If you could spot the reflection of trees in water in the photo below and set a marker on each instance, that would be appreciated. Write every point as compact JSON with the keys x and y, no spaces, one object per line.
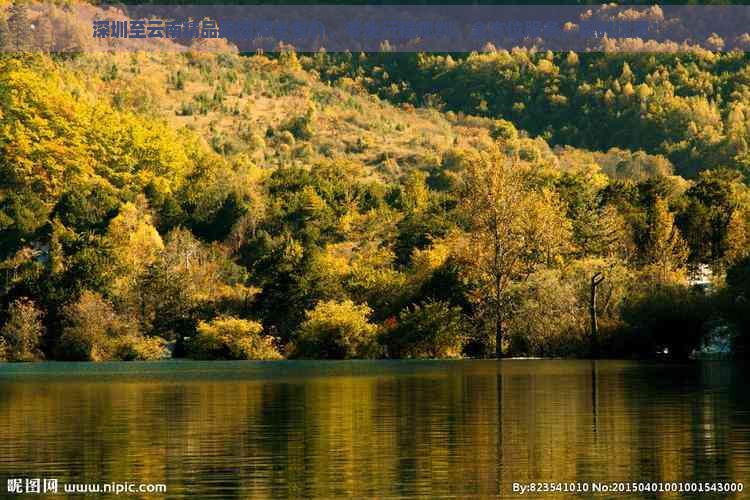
{"x":465,"y":429}
{"x":686,"y":417}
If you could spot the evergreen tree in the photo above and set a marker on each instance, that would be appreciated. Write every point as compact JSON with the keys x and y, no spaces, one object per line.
{"x":4,"y":35}
{"x":20,"y":28}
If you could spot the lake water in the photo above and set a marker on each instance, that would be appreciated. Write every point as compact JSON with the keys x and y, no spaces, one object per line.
{"x":381,"y":429}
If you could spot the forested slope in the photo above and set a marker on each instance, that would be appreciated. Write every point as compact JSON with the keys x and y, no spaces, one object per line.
{"x":337,"y":206}
{"x":689,"y":107}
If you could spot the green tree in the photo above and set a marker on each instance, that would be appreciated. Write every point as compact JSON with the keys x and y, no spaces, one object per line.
{"x":715,"y":221}
{"x":667,"y":316}
{"x":414,"y":195}
{"x":597,"y":227}
{"x":428,"y":330}
{"x":738,"y":302}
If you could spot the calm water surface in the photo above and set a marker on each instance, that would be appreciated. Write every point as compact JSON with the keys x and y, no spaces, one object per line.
{"x":431,"y":429}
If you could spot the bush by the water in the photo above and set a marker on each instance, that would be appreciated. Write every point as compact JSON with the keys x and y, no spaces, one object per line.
{"x":139,"y":348}
{"x":672,"y":317}
{"x":432,"y":329}
{"x":231,"y":338}
{"x":338,"y":330}
{"x":94,"y":331}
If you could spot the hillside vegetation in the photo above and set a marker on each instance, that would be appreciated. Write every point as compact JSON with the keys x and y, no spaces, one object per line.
{"x":252,"y":207}
{"x":690,"y":107}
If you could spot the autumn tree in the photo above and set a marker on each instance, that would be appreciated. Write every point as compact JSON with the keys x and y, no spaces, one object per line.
{"x":44,"y":35}
{"x":512,"y":228}
{"x":21,"y":334}
{"x":186,"y":279}
{"x":665,"y":252}
{"x":92,"y":329}
{"x":135,"y":244}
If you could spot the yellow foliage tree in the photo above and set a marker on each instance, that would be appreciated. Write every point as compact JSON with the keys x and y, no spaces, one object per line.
{"x":513,"y":228}
{"x":135,"y":244}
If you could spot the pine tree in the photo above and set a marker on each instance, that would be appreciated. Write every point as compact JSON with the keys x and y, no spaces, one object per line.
{"x":20,"y":28}
{"x":627,"y":73}
{"x":4,"y":35}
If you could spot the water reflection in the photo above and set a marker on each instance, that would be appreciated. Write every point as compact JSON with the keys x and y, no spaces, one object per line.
{"x":373,"y":429}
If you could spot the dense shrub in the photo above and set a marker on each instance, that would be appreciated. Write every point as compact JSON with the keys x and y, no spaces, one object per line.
{"x":139,"y":348}
{"x":301,"y":127}
{"x":503,"y":130}
{"x":93,"y":330}
{"x":550,"y":320}
{"x":672,"y":317}
{"x":337,"y":330}
{"x":20,"y":336}
{"x":427,"y":330}
{"x":231,"y":338}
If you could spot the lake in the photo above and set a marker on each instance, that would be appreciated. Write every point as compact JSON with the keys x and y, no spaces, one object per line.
{"x":374,"y":429}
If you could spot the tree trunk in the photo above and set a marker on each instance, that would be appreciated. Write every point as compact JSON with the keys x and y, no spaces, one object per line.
{"x":498,"y":337}
{"x":596,"y":280}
